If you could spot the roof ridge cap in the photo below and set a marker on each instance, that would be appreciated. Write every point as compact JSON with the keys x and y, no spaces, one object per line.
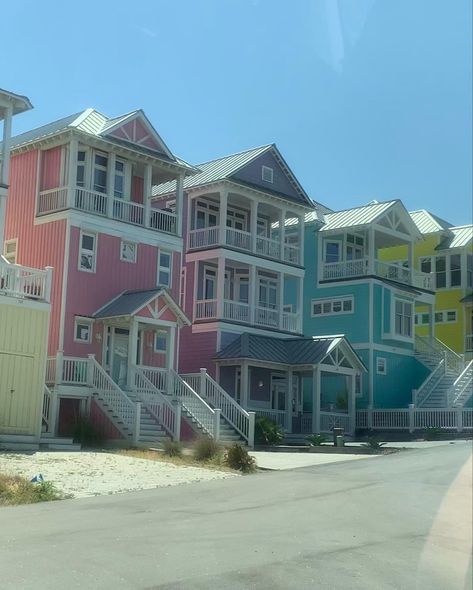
{"x":266,"y":146}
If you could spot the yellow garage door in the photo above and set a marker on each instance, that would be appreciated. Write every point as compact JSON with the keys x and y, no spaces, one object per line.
{"x":16,"y":412}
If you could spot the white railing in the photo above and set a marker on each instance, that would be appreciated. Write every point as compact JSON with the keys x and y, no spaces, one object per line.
{"x":306,"y":423}
{"x":238,"y":418}
{"x":47,"y":406}
{"x":157,"y":376}
{"x":166,"y":413}
{"x":348,"y":268}
{"x":268,"y":247}
{"x":128,"y":211}
{"x":421,"y":394}
{"x":51,"y":370}
{"x":236,"y":311}
{"x":278,"y":416}
{"x":54,"y":199}
{"x":74,"y":370}
{"x":265,"y":316}
{"x":238,"y":238}
{"x":202,"y":238}
{"x":290,"y":322}
{"x":165,"y":221}
{"x":461,"y":389}
{"x":469,"y":342}
{"x":436,"y":349}
{"x":90,"y":201}
{"x":127,"y":412}
{"x":413,"y":418}
{"x":423,"y":280}
{"x":21,"y":281}
{"x":292,"y":254}
{"x":206,"y":309}
{"x":195,"y":406}
{"x":394,"y":272}
{"x":330,"y":420}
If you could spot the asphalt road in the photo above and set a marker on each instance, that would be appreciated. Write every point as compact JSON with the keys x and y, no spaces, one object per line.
{"x":401,"y":522}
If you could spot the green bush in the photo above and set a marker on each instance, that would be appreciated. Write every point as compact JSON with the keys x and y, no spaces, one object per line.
{"x":16,"y":490}
{"x":205,"y":449}
{"x":237,"y":457}
{"x":316,"y":440}
{"x":267,"y":432}
{"x":86,"y":433}
{"x":172,"y":448}
{"x":432,"y":433}
{"x":341,"y":402}
{"x":373,"y":444}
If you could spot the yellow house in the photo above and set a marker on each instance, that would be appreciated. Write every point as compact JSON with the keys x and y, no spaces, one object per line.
{"x":447,"y":252}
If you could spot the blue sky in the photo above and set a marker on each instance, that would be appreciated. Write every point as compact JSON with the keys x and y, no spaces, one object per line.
{"x":366,"y":99}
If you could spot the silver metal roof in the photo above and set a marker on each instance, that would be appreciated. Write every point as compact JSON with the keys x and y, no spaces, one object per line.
{"x":20,"y":103}
{"x":358,"y":216}
{"x":462,"y":236}
{"x":428,"y":223}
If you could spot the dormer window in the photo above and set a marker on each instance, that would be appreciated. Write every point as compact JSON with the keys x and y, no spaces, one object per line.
{"x":267,"y":174}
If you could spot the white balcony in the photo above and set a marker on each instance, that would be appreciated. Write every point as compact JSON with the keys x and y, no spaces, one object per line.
{"x":25,"y":283}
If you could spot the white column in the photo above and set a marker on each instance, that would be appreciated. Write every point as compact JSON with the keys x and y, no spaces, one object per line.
{"x":72,"y":172}
{"x":431,"y":309}
{"x":110,"y":183}
{"x":132,"y":348}
{"x":280,"y":300}
{"x":300,"y":305}
{"x":179,"y":203}
{"x":244,"y":384}
{"x":290,"y":376}
{"x":223,"y":214}
{"x":410,"y":260}
{"x":301,"y":239}
{"x":171,"y":348}
{"x":282,"y":232}
{"x":147,"y":192}
{"x":316,"y":401}
{"x":220,"y":286}
{"x":252,"y":290}
{"x":371,"y":251}
{"x":253,"y":223}
{"x":352,"y":403}
{"x":6,"y":145}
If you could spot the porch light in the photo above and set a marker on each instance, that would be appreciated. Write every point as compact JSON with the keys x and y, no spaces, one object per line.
{"x":260,"y":384}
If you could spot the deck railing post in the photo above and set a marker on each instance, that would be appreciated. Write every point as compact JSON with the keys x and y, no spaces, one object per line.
{"x":251,"y":429}
{"x":203,"y":379}
{"x":217,"y":424}
{"x":90,"y":370}
{"x":177,"y":427}
{"x":459,"y":419}
{"x":59,"y":366}
{"x":136,"y":429}
{"x":411,"y":418}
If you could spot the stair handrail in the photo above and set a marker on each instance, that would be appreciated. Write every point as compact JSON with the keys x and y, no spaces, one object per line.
{"x":238,"y":418}
{"x":127,"y":410}
{"x":454,"y":361}
{"x":47,"y":404}
{"x":429,"y":383}
{"x":162,"y":409}
{"x":207,"y":417}
{"x":458,"y":388}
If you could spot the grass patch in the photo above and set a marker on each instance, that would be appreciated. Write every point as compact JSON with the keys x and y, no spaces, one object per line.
{"x":15,"y":490}
{"x":217,"y":462}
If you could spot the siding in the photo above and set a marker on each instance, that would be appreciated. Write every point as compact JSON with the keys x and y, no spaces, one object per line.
{"x":197,"y":350}
{"x":50,"y":169}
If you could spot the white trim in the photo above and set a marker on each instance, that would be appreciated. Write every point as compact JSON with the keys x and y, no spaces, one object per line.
{"x":6,"y":254}
{"x":383,"y":370}
{"x":213,"y":326}
{"x":383,"y":348}
{"x":444,"y":319}
{"x":269,"y":171}
{"x":166,"y":269}
{"x":392,"y":332}
{"x":135,"y":251}
{"x":80,"y":320}
{"x":332,"y":301}
{"x":94,"y":252}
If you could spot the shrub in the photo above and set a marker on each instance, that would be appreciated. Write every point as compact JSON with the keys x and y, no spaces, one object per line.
{"x":18,"y":490}
{"x":172,"y":448}
{"x":86,"y":433}
{"x":267,"y":432}
{"x":237,"y":457}
{"x":373,"y":444}
{"x":432,"y":433}
{"x":316,"y":440}
{"x":205,"y":449}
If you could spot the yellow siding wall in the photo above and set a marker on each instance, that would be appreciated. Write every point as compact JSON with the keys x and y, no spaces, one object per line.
{"x":23,"y":346}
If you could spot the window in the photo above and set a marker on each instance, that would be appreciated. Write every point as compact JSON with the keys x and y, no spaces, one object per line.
{"x":242,"y":286}
{"x":267,"y":174}
{"x":334,"y":306}
{"x":422,"y":318}
{"x":426,"y":265}
{"x":164,"y":268}
{"x":455,"y":270}
{"x":469,"y":270}
{"x":10,"y":250}
{"x":127,"y":251}
{"x":237,"y":219}
{"x":403,"y":318}
{"x":87,"y":252}
{"x":206,"y":215}
{"x":354,"y":247}
{"x":119,"y":181}
{"x":100,"y":172}
{"x":288,"y":308}
{"x":210,"y":283}
{"x":441,"y":272}
{"x":381,"y":365}
{"x":160,"y":341}
{"x":332,"y":251}
{"x":81,"y":168}
{"x":82,"y":330}
{"x":268,"y":293}
{"x":447,"y":316}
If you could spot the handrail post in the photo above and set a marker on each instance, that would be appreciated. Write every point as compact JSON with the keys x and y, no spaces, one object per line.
{"x":217,"y":413}
{"x":411,"y":418}
{"x":177,"y":411}
{"x":90,"y":370}
{"x":203,"y":378}
{"x":48,"y":284}
{"x":136,"y":428}
{"x":251,"y":429}
{"x":59,"y":366}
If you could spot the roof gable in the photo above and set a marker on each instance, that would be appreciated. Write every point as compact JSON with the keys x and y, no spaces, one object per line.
{"x":428,"y":223}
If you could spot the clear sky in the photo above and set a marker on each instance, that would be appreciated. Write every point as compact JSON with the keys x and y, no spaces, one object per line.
{"x":366,"y":99}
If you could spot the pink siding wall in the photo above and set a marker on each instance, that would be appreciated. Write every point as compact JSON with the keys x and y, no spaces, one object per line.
{"x":197,"y":350}
{"x":50,"y":168}
{"x":137,"y":189}
{"x":38,"y":245}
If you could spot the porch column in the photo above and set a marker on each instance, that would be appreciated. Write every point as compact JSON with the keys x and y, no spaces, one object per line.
{"x":253,"y":223}
{"x":179,"y":203}
{"x":431,"y":321}
{"x":244,"y":384}
{"x":371,"y":251}
{"x":6,"y":145}
{"x":316,"y":401}
{"x":110,"y":183}
{"x":290,"y":375}
{"x":301,"y":239}
{"x":252,"y":290}
{"x":223,"y":214}
{"x":410,"y":260}
{"x":132,"y":349}
{"x":147,"y":192}
{"x":282,"y":232}
{"x":280,"y":300}
{"x":72,"y":172}
{"x":220,"y":286}
{"x":300,"y":305}
{"x":352,"y":402}
{"x":171,"y":348}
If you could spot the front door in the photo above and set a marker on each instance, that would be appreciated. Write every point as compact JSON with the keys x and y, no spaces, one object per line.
{"x":278,"y":393}
{"x":120,"y":356}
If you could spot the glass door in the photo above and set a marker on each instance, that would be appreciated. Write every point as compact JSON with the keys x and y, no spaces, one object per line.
{"x":120,"y":356}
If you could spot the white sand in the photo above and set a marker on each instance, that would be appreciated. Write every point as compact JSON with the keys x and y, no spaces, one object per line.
{"x":84,"y":473}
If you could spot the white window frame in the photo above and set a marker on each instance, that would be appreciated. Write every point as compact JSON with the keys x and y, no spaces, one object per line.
{"x":207,"y":208}
{"x":82,"y":321}
{"x":381,"y":365}
{"x":102,"y":168}
{"x":155,"y":341}
{"x":87,"y":252}
{"x":448,"y":269}
{"x":11,"y":256}
{"x":164,"y":269}
{"x":237,"y":216}
{"x":270,"y":285}
{"x":288,"y":308}
{"x":267,"y":170}
{"x":331,"y":301}
{"x":445,"y":319}
{"x":340,"y":251}
{"x":126,"y":175}
{"x":135,"y":249}
{"x":213,"y":278}
{"x":419,"y":317}
{"x":395,"y":334}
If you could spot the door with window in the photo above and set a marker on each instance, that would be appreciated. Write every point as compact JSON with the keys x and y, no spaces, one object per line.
{"x":278,"y":393}
{"x":120,"y":356}
{"x":267,"y":314}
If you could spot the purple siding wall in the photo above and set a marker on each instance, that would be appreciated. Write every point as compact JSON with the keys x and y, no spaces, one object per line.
{"x":197,"y":350}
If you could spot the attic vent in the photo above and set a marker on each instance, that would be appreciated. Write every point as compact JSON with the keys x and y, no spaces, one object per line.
{"x":267,"y":174}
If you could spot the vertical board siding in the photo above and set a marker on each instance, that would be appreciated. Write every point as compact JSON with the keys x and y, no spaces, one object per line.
{"x":38,"y":245}
{"x":50,"y":168}
{"x":197,"y":350}
{"x":137,"y":184}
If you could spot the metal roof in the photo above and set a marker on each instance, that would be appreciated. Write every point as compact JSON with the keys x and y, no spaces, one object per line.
{"x":467,"y":299}
{"x":290,"y":351}
{"x":357,"y":216}
{"x":224,"y":168}
{"x":462,"y":236}
{"x":428,"y":223}
{"x":19,"y":102}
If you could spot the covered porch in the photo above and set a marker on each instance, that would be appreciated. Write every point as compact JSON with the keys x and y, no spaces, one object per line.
{"x":306,"y":385}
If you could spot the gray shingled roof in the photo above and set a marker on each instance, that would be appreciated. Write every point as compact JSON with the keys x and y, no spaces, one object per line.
{"x":286,"y":351}
{"x":127,"y":303}
{"x":428,"y":223}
